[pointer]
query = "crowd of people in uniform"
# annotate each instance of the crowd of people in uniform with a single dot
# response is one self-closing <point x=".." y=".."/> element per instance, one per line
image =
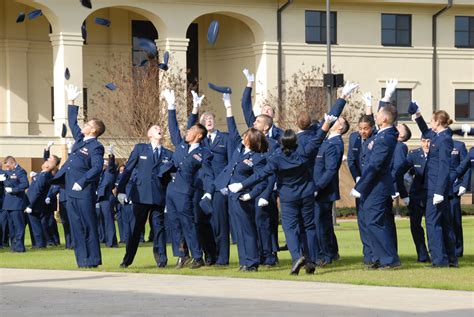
<point x="217" y="187"/>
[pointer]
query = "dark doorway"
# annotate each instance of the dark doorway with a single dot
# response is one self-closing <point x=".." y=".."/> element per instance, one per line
<point x="192" y="57"/>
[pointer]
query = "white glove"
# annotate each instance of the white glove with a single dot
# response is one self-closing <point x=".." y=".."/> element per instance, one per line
<point x="235" y="187"/>
<point x="170" y="98"/>
<point x="97" y="205"/>
<point x="354" y="193"/>
<point x="72" y="92"/>
<point x="50" y="144"/>
<point x="69" y="146"/>
<point x="226" y="99"/>
<point x="357" y="179"/>
<point x="462" y="191"/>
<point x="329" y="118"/>
<point x="262" y="202"/>
<point x="76" y="187"/>
<point x="111" y="149"/>
<point x="466" y="128"/>
<point x="437" y="199"/>
<point x="349" y="88"/>
<point x="8" y="189"/>
<point x="245" y="197"/>
<point x="197" y="101"/>
<point x="367" y="98"/>
<point x="33" y="174"/>
<point x="28" y="210"/>
<point x="47" y="200"/>
<point x="395" y="196"/>
<point x="315" y="194"/>
<point x="207" y="195"/>
<point x="250" y="77"/>
<point x="390" y="87"/>
<point x="3" y="177"/>
<point x="224" y="191"/>
<point x="406" y="201"/>
<point x="121" y="197"/>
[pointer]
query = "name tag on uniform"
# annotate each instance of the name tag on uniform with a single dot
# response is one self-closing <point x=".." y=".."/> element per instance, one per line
<point x="13" y="176"/>
<point x="455" y="152"/>
<point x="319" y="156"/>
<point x="84" y="151"/>
<point x="197" y="157"/>
<point x="417" y="165"/>
<point x="143" y="158"/>
<point x="221" y="145"/>
<point x="355" y="149"/>
<point x="165" y="160"/>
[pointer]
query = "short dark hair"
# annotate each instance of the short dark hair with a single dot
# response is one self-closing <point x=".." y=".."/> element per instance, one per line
<point x="202" y="129"/>
<point x="391" y="112"/>
<point x="367" y="119"/>
<point x="408" y="132"/>
<point x="288" y="141"/>
<point x="257" y="140"/>
<point x="303" y="121"/>
<point x="345" y="127"/>
<point x="268" y="119"/>
<point x="99" y="126"/>
<point x="57" y="159"/>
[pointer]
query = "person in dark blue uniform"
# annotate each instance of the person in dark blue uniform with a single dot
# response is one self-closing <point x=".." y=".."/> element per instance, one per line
<point x="51" y="200"/>
<point x="415" y="165"/>
<point x="15" y="183"/>
<point x="80" y="176"/>
<point x="375" y="187"/>
<point x="3" y="213"/>
<point x="190" y="159"/>
<point x="219" y="143"/>
<point x="439" y="223"/>
<point x="248" y="157"/>
<point x="106" y="200"/>
<point x="150" y="163"/>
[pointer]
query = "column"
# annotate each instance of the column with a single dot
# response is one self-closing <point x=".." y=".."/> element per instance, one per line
<point x="67" y="52"/>
<point x="266" y="73"/>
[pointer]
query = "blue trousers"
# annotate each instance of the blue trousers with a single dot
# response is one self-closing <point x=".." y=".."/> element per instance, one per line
<point x="204" y="229"/>
<point x="417" y="210"/>
<point x="4" y="237"/>
<point x="83" y="222"/>
<point x="37" y="229"/>
<point x="50" y="227"/>
<point x="457" y="225"/>
<point x="380" y="229"/>
<point x="246" y="231"/>
<point x="221" y="227"/>
<point x="128" y="221"/>
<point x="118" y="207"/>
<point x="264" y="219"/>
<point x="297" y="219"/>
<point x="441" y="239"/>
<point x="16" y="227"/>
<point x="66" y="225"/>
<point x="181" y="206"/>
<point x="106" y="210"/>
<point x="328" y="247"/>
<point x="364" y="233"/>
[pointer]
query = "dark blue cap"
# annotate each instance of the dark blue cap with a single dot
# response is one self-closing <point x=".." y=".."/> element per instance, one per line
<point x="111" y="86"/>
<point x="86" y="3"/>
<point x="21" y="17"/>
<point x="212" y="32"/>
<point x="412" y="108"/>
<point x="84" y="31"/>
<point x="164" y="65"/>
<point x="221" y="89"/>
<point x="102" y="21"/>
<point x="471" y="133"/>
<point x="206" y="205"/>
<point x="34" y="14"/>
<point x="148" y="46"/>
<point x="67" y="74"/>
<point x="63" y="131"/>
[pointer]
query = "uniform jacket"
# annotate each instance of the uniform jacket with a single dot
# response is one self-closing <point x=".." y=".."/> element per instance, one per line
<point x="415" y="165"/>
<point x="107" y="181"/>
<point x="38" y="191"/>
<point x="18" y="181"/>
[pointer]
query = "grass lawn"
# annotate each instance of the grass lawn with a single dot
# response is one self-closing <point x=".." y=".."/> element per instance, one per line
<point x="349" y="269"/>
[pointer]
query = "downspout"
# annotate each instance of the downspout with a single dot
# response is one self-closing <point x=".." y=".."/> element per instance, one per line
<point x="435" y="53"/>
<point x="280" y="53"/>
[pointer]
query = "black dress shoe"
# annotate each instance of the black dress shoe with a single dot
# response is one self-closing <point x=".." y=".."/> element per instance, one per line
<point x="455" y="265"/>
<point x="182" y="261"/>
<point x="221" y="265"/>
<point x="196" y="264"/>
<point x="161" y="264"/>
<point x="373" y="266"/>
<point x="435" y="266"/>
<point x="123" y="265"/>
<point x="210" y="262"/>
<point x="249" y="269"/>
<point x="394" y="266"/>
<point x="295" y="269"/>
<point x="310" y="268"/>
<point x="322" y="263"/>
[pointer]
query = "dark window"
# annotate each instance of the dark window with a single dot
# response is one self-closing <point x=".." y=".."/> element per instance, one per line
<point x="192" y="57"/>
<point x="140" y="30"/>
<point x="464" y="32"/>
<point x="464" y="104"/>
<point x="396" y="29"/>
<point x="85" y="105"/>
<point x="401" y="100"/>
<point x="316" y="27"/>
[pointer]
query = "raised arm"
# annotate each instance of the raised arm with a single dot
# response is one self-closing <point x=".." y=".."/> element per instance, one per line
<point x="247" y="107"/>
<point x="197" y="101"/>
<point x="235" y="138"/>
<point x="73" y="110"/>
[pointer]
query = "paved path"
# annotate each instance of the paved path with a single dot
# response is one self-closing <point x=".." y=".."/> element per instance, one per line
<point x="52" y="293"/>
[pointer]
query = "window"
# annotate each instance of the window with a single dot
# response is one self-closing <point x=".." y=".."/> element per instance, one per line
<point x="316" y="27"/>
<point x="401" y="100"/>
<point x="464" y="104"/>
<point x="141" y="30"/>
<point x="396" y="29"/>
<point x="464" y="32"/>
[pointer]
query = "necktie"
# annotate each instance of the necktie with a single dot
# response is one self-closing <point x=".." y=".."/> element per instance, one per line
<point x="156" y="155"/>
<point x="209" y="139"/>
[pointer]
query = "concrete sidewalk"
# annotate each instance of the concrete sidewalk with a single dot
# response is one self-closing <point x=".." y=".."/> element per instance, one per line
<point x="53" y="293"/>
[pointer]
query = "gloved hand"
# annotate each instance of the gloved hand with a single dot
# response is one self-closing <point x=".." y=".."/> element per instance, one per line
<point x="33" y="174"/>
<point x="262" y="202"/>
<point x="462" y="190"/>
<point x="406" y="201"/>
<point x="3" y="177"/>
<point x="50" y="144"/>
<point x="72" y="92"/>
<point x="121" y="197"/>
<point x="354" y="193"/>
<point x="437" y="199"/>
<point x="235" y="187"/>
<point x="390" y="87"/>
<point x="76" y="187"/>
<point x="315" y="194"/>
<point x="97" y="205"/>
<point x="395" y="196"/>
<point x="413" y="108"/>
<point x="28" y="210"/>
<point x="170" y="98"/>
<point x="250" y="77"/>
<point x="47" y="200"/>
<point x="367" y="98"/>
<point x="329" y="118"/>
<point x="111" y="149"/>
<point x="357" y="179"/>
<point x="197" y="101"/>
<point x="8" y="189"/>
<point x="226" y="99"/>
<point x="466" y="128"/>
<point x="207" y="195"/>
<point x="348" y="89"/>
<point x="224" y="191"/>
<point x="245" y="197"/>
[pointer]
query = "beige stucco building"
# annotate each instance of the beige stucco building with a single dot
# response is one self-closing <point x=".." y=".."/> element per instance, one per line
<point x="374" y="40"/>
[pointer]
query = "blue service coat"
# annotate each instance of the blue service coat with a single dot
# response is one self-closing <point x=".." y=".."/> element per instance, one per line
<point x="107" y="181"/>
<point x="38" y="191"/>
<point x="415" y="165"/>
<point x="18" y="181"/>
<point x="458" y="154"/>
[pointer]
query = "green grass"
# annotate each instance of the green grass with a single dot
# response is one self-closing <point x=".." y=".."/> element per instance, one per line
<point x="347" y="270"/>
